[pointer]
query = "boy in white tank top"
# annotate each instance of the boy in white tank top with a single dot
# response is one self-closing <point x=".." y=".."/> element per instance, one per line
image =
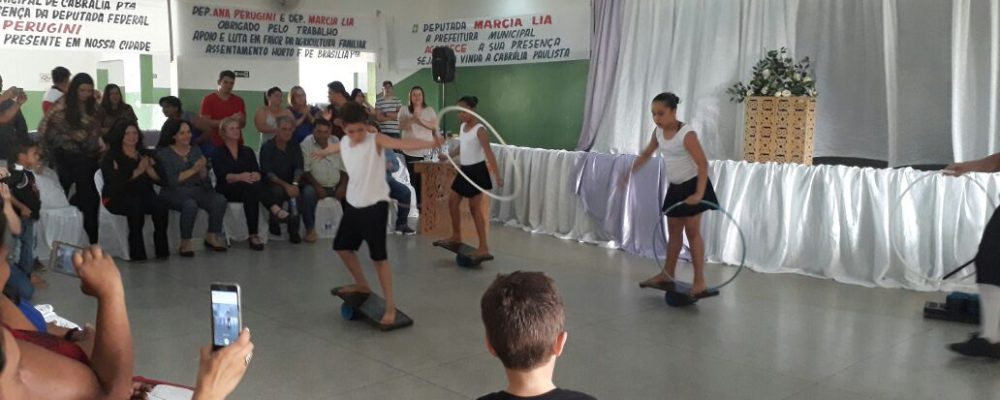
<point x="366" y="209"/>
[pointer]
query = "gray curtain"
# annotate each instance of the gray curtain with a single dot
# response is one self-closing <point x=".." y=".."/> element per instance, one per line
<point x="605" y="43"/>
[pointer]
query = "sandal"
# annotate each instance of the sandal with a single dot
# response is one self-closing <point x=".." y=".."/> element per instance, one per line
<point x="215" y="248"/>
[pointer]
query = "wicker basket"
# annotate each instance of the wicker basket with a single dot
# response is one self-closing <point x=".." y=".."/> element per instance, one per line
<point x="779" y="129"/>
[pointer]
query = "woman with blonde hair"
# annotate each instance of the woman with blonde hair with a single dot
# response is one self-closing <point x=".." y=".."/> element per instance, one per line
<point x="305" y="115"/>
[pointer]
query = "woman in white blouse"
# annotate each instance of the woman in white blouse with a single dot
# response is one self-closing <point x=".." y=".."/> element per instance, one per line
<point x="420" y="122"/>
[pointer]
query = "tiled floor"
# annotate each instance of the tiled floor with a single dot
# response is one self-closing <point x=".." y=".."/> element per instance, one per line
<point x="765" y="337"/>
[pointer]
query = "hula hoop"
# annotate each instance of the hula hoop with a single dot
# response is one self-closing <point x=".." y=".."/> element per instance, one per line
<point x="517" y="175"/>
<point x="743" y="242"/>
<point x="910" y="271"/>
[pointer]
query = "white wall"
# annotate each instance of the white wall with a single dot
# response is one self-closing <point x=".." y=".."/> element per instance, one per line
<point x="200" y="72"/>
<point x="403" y="15"/>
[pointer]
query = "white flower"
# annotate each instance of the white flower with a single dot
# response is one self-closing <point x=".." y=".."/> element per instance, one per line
<point x="750" y="93"/>
<point x="797" y="77"/>
<point x="786" y="93"/>
<point x="807" y="79"/>
<point x="766" y="73"/>
<point x="763" y="91"/>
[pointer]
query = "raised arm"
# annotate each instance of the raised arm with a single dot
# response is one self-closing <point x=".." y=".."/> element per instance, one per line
<point x="386" y="141"/>
<point x="988" y="164"/>
<point x="112" y="360"/>
<point x="260" y="122"/>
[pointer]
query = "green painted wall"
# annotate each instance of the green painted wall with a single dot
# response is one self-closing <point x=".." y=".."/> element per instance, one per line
<point x="32" y="110"/>
<point x="191" y="101"/>
<point x="146" y="79"/>
<point x="531" y="105"/>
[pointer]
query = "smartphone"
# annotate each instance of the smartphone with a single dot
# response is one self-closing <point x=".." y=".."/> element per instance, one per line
<point x="61" y="258"/>
<point x="227" y="314"/>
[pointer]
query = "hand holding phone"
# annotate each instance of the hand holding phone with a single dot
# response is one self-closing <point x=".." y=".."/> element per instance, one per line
<point x="227" y="314"/>
<point x="61" y="259"/>
<point x="99" y="276"/>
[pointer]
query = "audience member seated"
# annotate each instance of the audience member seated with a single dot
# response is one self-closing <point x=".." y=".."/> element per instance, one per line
<point x="173" y="109"/>
<point x="327" y="176"/>
<point x="113" y="108"/>
<point x="525" y="328"/>
<point x="266" y="117"/>
<point x="129" y="174"/>
<point x="187" y="186"/>
<point x="50" y="364"/>
<point x="304" y="114"/>
<point x="237" y="176"/>
<point x="282" y="164"/>
<point x="397" y="190"/>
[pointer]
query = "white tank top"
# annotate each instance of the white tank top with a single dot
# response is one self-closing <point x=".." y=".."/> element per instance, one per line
<point x="366" y="167"/>
<point x="471" y="150"/>
<point x="678" y="162"/>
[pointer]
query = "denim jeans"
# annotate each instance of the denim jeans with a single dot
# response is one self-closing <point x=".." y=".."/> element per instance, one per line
<point x="20" y="271"/>
<point x="400" y="193"/>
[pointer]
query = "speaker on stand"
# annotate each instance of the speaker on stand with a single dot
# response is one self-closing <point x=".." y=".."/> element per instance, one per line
<point x="443" y="69"/>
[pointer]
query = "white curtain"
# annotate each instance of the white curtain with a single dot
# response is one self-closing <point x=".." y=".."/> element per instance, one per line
<point x="975" y="77"/>
<point x="906" y="81"/>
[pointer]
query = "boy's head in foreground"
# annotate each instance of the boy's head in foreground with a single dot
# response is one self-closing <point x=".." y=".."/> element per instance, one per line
<point x="524" y="319"/>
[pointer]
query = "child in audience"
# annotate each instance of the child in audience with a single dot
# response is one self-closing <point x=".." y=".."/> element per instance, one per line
<point x="524" y="319"/>
<point x="366" y="209"/>
<point x="478" y="163"/>
<point x="25" y="198"/>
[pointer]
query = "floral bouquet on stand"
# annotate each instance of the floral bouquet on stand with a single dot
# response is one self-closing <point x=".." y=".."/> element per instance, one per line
<point x="777" y="76"/>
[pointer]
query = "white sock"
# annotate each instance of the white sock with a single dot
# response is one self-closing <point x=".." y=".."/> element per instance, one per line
<point x="989" y="309"/>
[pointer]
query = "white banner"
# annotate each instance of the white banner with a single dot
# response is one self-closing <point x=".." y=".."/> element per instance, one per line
<point x="233" y="31"/>
<point x="138" y="26"/>
<point x="500" y="40"/>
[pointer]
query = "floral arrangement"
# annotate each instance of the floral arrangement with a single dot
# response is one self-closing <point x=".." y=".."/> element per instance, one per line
<point x="777" y="76"/>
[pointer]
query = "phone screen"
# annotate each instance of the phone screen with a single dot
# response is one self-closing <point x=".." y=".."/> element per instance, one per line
<point x="62" y="258"/>
<point x="227" y="321"/>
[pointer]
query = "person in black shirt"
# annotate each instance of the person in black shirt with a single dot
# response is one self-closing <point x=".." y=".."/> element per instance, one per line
<point x="129" y="173"/>
<point x="238" y="177"/>
<point x="282" y="164"/>
<point x="525" y="328"/>
<point x="13" y="126"/>
<point x="27" y="201"/>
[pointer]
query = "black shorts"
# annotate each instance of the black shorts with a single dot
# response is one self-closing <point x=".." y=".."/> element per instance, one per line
<point x="988" y="257"/>
<point x="367" y="224"/>
<point x="679" y="192"/>
<point x="479" y="174"/>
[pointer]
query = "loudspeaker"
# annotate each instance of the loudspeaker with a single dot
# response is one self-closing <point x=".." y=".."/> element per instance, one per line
<point x="443" y="64"/>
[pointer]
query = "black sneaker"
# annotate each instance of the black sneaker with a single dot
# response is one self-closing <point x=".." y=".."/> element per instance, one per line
<point x="294" y="237"/>
<point x="274" y="228"/>
<point x="405" y="230"/>
<point x="977" y="347"/>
